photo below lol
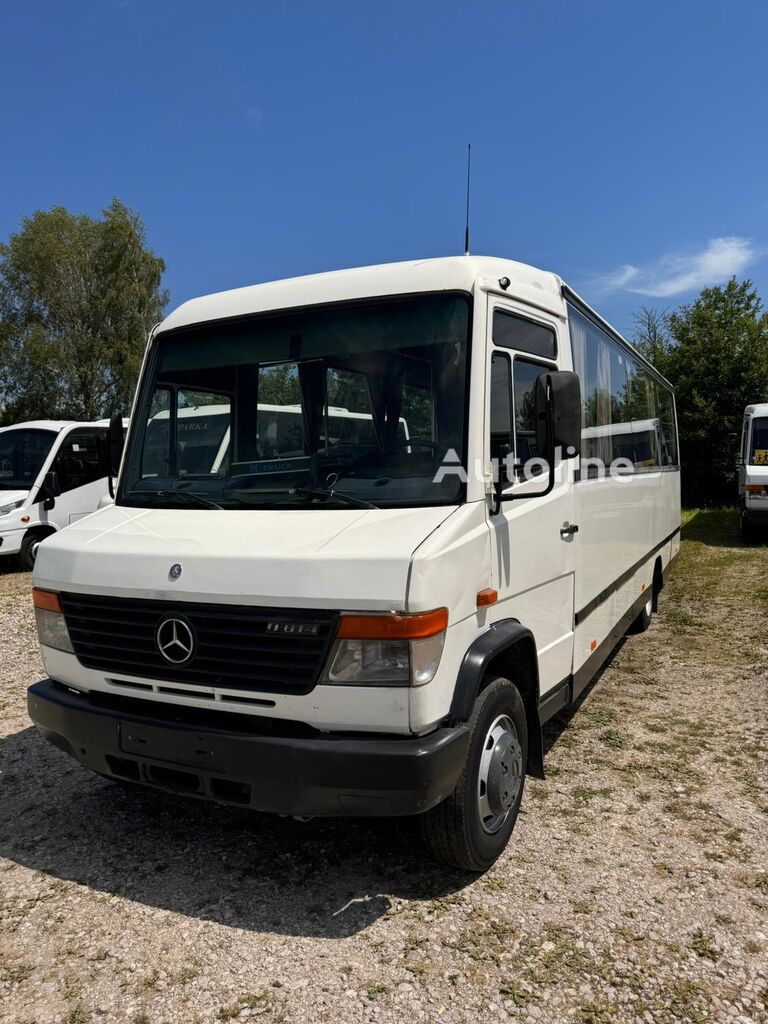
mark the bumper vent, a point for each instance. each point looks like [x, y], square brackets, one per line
[234, 648]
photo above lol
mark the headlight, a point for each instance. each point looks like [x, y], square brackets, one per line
[51, 627]
[5, 509]
[387, 650]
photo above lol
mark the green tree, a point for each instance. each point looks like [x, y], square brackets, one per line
[715, 353]
[78, 296]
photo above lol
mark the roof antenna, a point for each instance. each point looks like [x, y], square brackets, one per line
[466, 229]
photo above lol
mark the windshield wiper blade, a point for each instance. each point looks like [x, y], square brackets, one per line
[190, 496]
[322, 492]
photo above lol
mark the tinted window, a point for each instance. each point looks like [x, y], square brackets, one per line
[510, 331]
[525, 375]
[759, 446]
[81, 459]
[318, 398]
[501, 407]
[626, 412]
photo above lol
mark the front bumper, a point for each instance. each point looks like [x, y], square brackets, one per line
[274, 771]
[10, 541]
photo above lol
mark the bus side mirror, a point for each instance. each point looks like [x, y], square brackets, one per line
[116, 441]
[558, 415]
[51, 489]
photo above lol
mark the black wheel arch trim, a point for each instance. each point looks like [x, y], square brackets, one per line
[500, 639]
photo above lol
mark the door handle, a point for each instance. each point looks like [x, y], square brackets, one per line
[569, 530]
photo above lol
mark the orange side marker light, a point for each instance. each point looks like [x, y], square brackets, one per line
[486, 597]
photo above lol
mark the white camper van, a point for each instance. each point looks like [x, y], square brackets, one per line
[52, 472]
[377, 625]
[753, 472]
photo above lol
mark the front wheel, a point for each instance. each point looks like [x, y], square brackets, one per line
[28, 552]
[471, 827]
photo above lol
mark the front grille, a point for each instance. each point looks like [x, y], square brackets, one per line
[234, 648]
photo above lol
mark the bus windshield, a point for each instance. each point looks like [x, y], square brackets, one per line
[22, 454]
[338, 403]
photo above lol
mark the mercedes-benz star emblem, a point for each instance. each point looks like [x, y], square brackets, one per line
[175, 640]
[175, 571]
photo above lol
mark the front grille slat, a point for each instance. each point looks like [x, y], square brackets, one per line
[234, 648]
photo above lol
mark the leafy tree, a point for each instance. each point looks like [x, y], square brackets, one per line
[78, 296]
[715, 353]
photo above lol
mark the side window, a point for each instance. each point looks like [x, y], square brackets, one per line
[510, 331]
[501, 408]
[80, 459]
[626, 412]
[525, 375]
[744, 441]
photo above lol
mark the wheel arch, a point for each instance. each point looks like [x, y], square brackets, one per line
[506, 649]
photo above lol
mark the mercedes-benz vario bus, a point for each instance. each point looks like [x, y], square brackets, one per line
[52, 472]
[379, 627]
[753, 472]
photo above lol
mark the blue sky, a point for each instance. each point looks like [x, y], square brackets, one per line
[623, 145]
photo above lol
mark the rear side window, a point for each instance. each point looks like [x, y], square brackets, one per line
[510, 331]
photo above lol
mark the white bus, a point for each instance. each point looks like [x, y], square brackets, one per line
[753, 472]
[52, 472]
[378, 627]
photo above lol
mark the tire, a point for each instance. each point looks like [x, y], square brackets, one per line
[468, 830]
[28, 552]
[643, 620]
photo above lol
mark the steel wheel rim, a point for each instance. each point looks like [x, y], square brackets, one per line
[500, 774]
[649, 607]
[33, 549]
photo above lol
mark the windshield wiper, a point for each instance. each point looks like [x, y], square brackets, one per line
[322, 492]
[190, 496]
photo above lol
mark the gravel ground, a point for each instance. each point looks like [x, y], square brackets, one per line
[636, 888]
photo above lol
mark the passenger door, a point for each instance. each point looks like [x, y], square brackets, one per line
[532, 559]
[82, 466]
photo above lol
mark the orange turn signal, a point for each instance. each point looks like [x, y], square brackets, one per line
[393, 627]
[486, 597]
[47, 600]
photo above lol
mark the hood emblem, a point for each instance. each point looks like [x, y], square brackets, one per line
[174, 572]
[175, 640]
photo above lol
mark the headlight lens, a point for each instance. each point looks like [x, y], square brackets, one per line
[387, 650]
[380, 662]
[52, 630]
[5, 509]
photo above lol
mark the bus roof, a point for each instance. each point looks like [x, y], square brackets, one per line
[539, 288]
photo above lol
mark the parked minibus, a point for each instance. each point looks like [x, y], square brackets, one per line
[379, 627]
[52, 472]
[753, 472]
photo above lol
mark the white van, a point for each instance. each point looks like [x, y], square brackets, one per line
[52, 472]
[753, 472]
[374, 627]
